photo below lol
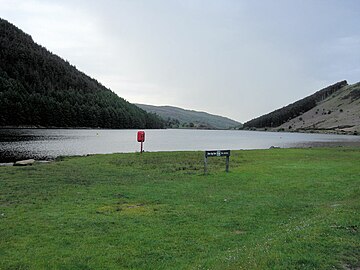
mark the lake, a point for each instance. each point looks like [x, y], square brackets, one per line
[18, 144]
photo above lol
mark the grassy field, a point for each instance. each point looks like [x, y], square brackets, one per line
[275, 209]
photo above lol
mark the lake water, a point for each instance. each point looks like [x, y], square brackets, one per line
[18, 144]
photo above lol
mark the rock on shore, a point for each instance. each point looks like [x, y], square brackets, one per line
[24, 162]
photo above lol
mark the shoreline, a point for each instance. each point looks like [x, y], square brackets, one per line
[304, 131]
[307, 131]
[11, 160]
[47, 144]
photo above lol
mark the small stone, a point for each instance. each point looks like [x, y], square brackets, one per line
[24, 162]
[7, 164]
[43, 161]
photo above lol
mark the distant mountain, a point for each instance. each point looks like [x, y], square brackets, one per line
[38, 88]
[181, 118]
[333, 109]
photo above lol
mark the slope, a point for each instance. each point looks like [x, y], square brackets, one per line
[178, 117]
[38, 88]
[281, 116]
[339, 113]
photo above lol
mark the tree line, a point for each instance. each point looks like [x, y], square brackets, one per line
[38, 88]
[280, 116]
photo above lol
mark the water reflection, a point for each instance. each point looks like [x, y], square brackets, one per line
[18, 144]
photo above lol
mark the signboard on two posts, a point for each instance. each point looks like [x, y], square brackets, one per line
[217, 153]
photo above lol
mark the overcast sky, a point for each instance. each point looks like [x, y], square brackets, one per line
[236, 58]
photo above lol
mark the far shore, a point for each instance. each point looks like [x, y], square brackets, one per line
[319, 131]
[272, 129]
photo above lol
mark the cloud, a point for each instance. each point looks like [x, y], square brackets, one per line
[239, 59]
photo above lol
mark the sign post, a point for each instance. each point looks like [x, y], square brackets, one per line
[217, 153]
[141, 139]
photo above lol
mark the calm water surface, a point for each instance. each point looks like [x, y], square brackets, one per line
[18, 144]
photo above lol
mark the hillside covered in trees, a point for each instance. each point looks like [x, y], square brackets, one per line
[38, 88]
[293, 110]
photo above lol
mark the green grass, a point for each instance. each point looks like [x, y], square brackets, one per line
[276, 209]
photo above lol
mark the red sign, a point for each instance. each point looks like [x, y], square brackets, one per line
[141, 136]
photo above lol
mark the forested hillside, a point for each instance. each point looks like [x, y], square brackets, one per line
[280, 116]
[38, 88]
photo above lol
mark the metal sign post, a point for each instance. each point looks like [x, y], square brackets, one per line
[217, 153]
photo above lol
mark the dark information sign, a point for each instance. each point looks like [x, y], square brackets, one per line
[217, 153]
